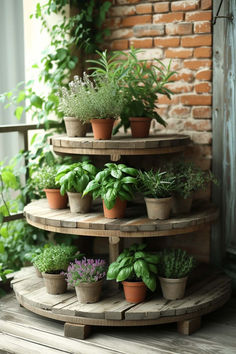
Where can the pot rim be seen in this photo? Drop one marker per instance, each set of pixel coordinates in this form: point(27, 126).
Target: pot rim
point(102, 120)
point(50, 275)
point(140, 118)
point(174, 280)
point(89, 284)
point(134, 283)
point(157, 200)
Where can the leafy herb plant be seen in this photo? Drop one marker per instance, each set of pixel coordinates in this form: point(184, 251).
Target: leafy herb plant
point(155, 184)
point(45, 177)
point(175, 263)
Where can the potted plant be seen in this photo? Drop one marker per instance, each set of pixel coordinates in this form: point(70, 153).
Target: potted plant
point(137, 270)
point(87, 277)
point(157, 187)
point(52, 262)
point(74, 179)
point(115, 185)
point(174, 268)
point(44, 179)
point(32, 255)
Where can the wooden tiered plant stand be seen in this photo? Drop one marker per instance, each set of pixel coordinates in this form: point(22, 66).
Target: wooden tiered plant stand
point(204, 294)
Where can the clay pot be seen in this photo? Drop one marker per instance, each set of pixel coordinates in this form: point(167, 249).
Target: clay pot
point(38, 273)
point(173, 289)
point(135, 292)
point(79, 204)
point(55, 283)
point(74, 127)
point(88, 293)
point(55, 199)
point(158, 208)
point(181, 205)
point(102, 128)
point(140, 126)
point(118, 210)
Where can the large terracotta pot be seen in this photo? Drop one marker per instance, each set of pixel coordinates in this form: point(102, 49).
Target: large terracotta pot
point(140, 126)
point(102, 128)
point(74, 127)
point(181, 205)
point(135, 292)
point(55, 283)
point(55, 199)
point(118, 210)
point(173, 289)
point(88, 293)
point(79, 204)
point(158, 208)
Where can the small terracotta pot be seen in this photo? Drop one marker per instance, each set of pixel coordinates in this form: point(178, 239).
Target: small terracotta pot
point(140, 126)
point(158, 208)
point(181, 205)
point(88, 293)
point(55, 283)
point(55, 199)
point(173, 289)
point(118, 210)
point(135, 292)
point(74, 127)
point(38, 273)
point(79, 204)
point(102, 128)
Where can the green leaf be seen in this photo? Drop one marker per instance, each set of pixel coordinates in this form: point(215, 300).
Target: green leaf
point(62, 54)
point(92, 185)
point(152, 258)
point(111, 194)
point(113, 271)
point(116, 173)
point(150, 282)
point(141, 268)
point(109, 203)
point(152, 268)
point(71, 64)
point(129, 180)
point(36, 101)
point(139, 254)
point(124, 273)
point(90, 168)
point(130, 171)
point(18, 112)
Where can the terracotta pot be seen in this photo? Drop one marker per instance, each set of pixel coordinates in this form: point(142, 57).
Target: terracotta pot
point(158, 208)
point(118, 210)
point(38, 273)
point(74, 127)
point(55, 199)
point(102, 128)
point(173, 289)
point(140, 126)
point(88, 293)
point(79, 204)
point(181, 205)
point(135, 291)
point(55, 283)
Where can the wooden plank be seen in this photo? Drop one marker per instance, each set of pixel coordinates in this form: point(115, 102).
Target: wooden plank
point(190, 326)
point(76, 330)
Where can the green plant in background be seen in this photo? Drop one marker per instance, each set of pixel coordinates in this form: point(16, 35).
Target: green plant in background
point(3, 278)
point(114, 181)
point(35, 251)
point(45, 177)
point(175, 264)
point(155, 184)
point(135, 264)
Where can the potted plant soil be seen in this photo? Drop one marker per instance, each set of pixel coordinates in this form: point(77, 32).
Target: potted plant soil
point(174, 268)
point(157, 187)
point(74, 179)
point(52, 262)
point(115, 185)
point(137, 270)
point(87, 276)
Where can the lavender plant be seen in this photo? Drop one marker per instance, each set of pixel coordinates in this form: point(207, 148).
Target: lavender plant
point(85, 271)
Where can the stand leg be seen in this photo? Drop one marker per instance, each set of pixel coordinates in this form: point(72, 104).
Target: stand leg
point(113, 248)
point(189, 326)
point(115, 158)
point(78, 331)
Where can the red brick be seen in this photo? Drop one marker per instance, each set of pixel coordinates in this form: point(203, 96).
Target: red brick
point(204, 75)
point(198, 125)
point(206, 4)
point(144, 9)
point(179, 53)
point(198, 16)
point(120, 44)
point(121, 33)
point(112, 23)
point(201, 137)
point(196, 100)
point(202, 27)
point(148, 30)
point(187, 5)
point(201, 112)
point(203, 87)
point(185, 76)
point(141, 43)
point(162, 99)
point(179, 28)
point(203, 52)
point(162, 111)
point(196, 41)
point(119, 11)
point(197, 64)
point(180, 87)
point(161, 7)
point(168, 18)
point(136, 20)
point(167, 42)
point(179, 111)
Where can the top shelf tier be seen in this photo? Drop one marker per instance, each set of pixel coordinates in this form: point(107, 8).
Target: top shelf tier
point(120, 145)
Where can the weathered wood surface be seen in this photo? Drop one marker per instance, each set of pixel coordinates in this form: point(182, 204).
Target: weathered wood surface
point(121, 145)
point(40, 215)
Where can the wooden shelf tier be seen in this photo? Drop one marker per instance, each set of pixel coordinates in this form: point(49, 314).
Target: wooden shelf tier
point(120, 145)
point(137, 224)
point(203, 296)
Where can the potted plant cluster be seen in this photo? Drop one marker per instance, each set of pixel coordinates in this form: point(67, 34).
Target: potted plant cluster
point(87, 276)
point(32, 256)
point(137, 270)
point(115, 185)
point(52, 262)
point(74, 179)
point(157, 188)
point(174, 267)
